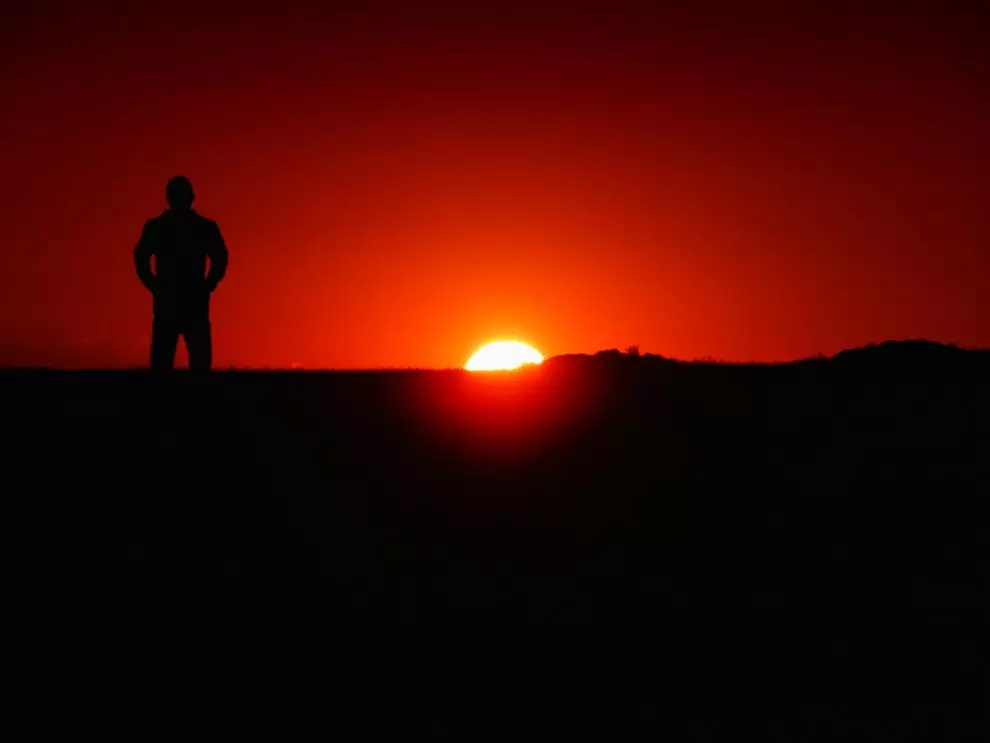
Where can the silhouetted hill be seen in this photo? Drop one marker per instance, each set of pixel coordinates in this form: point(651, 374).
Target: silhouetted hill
point(610, 356)
point(917, 353)
point(894, 360)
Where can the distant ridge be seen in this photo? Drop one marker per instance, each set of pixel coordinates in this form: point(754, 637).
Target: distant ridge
point(889, 359)
point(911, 350)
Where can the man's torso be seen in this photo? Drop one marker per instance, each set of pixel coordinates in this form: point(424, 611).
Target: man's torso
point(181, 242)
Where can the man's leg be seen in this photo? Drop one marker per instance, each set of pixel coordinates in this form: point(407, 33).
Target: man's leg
point(164, 339)
point(199, 344)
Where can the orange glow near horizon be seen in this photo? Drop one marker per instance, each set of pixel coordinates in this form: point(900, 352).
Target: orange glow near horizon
point(503, 356)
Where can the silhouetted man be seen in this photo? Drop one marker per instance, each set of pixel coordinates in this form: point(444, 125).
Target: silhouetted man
point(181, 242)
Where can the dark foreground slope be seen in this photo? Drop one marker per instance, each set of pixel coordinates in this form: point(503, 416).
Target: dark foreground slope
point(615, 547)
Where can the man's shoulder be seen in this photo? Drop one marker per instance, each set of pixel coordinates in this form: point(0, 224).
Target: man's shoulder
point(154, 222)
point(205, 221)
point(164, 221)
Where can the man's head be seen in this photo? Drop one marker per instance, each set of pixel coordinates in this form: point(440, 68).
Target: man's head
point(179, 193)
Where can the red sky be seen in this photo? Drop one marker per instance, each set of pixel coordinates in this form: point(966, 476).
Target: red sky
point(397, 185)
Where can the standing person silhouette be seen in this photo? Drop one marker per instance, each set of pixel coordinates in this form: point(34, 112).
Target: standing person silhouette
point(181, 242)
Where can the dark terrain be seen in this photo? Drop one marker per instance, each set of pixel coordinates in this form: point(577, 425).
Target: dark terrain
point(625, 548)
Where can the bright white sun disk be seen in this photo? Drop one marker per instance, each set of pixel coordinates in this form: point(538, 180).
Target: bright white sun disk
point(503, 355)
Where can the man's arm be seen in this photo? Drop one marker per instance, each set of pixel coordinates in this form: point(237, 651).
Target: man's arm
point(143, 251)
point(217, 253)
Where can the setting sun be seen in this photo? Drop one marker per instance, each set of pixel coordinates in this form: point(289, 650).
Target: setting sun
point(503, 355)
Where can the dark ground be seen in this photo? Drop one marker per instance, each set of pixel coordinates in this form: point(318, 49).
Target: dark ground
point(629, 549)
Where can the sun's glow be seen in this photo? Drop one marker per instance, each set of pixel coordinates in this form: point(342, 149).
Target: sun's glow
point(503, 355)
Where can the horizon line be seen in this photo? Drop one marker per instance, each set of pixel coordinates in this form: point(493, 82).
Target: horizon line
point(610, 351)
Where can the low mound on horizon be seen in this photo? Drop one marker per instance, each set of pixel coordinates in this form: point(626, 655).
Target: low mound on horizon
point(890, 348)
point(911, 353)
